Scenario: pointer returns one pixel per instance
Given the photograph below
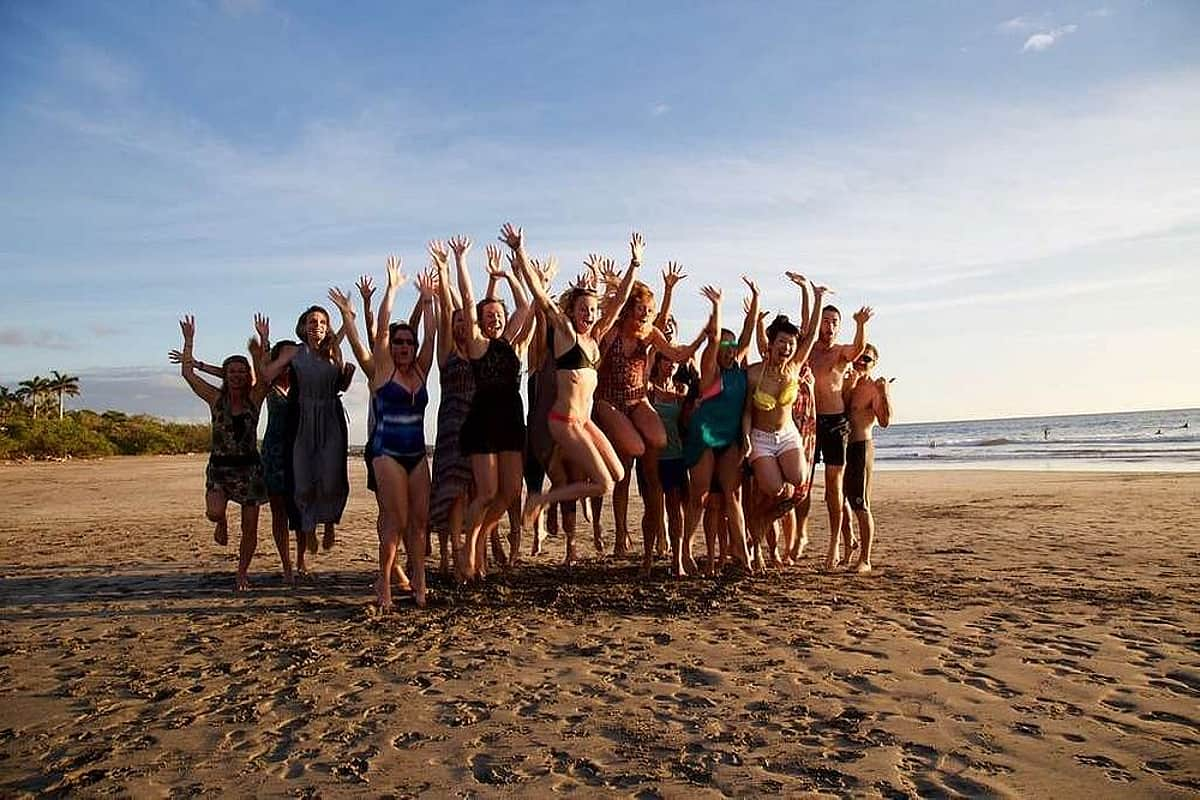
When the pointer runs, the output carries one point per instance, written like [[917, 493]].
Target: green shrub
[[86, 434]]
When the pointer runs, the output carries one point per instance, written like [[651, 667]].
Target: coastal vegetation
[[34, 425]]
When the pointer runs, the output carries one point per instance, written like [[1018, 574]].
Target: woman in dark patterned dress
[[235, 472], [452, 484]]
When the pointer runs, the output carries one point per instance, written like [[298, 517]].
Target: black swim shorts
[[832, 432], [860, 460]]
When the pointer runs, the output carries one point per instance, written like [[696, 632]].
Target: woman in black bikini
[[577, 328]]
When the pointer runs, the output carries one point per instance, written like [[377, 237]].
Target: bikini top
[[576, 358], [769, 402]]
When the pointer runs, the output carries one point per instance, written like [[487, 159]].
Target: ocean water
[[1136, 440]]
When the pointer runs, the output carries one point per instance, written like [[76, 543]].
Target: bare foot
[[221, 533], [863, 567], [598, 542], [533, 505], [327, 539], [689, 565], [570, 559], [647, 565], [383, 595], [242, 584]]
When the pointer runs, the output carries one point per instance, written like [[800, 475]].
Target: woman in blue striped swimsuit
[[398, 443]]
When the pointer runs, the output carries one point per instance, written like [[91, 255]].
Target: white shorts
[[773, 443]]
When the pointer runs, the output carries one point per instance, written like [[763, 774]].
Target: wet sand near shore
[[1025, 634]]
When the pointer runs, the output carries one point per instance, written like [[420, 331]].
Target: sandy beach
[[1026, 634]]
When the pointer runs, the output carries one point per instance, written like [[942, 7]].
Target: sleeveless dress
[[717, 422], [542, 392], [234, 467], [451, 470], [496, 421], [274, 443], [316, 461]]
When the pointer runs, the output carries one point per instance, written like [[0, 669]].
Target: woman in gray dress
[[315, 461]]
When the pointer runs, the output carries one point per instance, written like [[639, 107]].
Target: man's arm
[[850, 352]]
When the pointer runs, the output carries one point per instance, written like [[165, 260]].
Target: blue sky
[[1015, 187]]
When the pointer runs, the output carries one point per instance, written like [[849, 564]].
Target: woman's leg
[[483, 468], [279, 532], [418, 525], [673, 500], [214, 508], [729, 475], [248, 545], [392, 483], [654, 437], [699, 480], [584, 447]]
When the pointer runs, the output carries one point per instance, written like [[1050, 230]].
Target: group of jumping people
[[711, 433]]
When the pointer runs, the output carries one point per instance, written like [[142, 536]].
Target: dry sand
[[1026, 634]]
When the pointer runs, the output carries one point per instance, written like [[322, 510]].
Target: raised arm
[[612, 310], [708, 361], [438, 251], [671, 275], [366, 289], [515, 330], [176, 357], [760, 330], [426, 289], [743, 345], [381, 351], [861, 317], [345, 305], [203, 389], [810, 324]]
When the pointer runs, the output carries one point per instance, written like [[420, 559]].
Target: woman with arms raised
[[399, 399], [316, 458], [622, 410], [493, 433], [777, 454], [714, 441], [234, 472], [575, 331]]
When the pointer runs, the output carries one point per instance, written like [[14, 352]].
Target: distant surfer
[[1045, 433]]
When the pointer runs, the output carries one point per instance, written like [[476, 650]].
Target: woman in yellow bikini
[[776, 455]]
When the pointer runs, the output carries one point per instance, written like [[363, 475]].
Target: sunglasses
[[729, 344], [866, 359]]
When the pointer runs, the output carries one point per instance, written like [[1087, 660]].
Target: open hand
[[797, 278], [637, 246], [712, 293], [437, 249], [753, 286], [188, 326], [460, 245], [493, 258], [396, 276], [342, 301], [262, 326], [549, 269], [176, 357], [512, 236], [427, 282], [673, 274], [863, 314], [366, 288]]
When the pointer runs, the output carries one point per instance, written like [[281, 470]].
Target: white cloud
[[1044, 41], [659, 109], [1016, 25], [1101, 12]]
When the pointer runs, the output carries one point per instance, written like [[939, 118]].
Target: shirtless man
[[867, 402], [828, 361]]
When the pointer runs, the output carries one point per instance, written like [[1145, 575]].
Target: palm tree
[[64, 385], [33, 390], [8, 399]]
